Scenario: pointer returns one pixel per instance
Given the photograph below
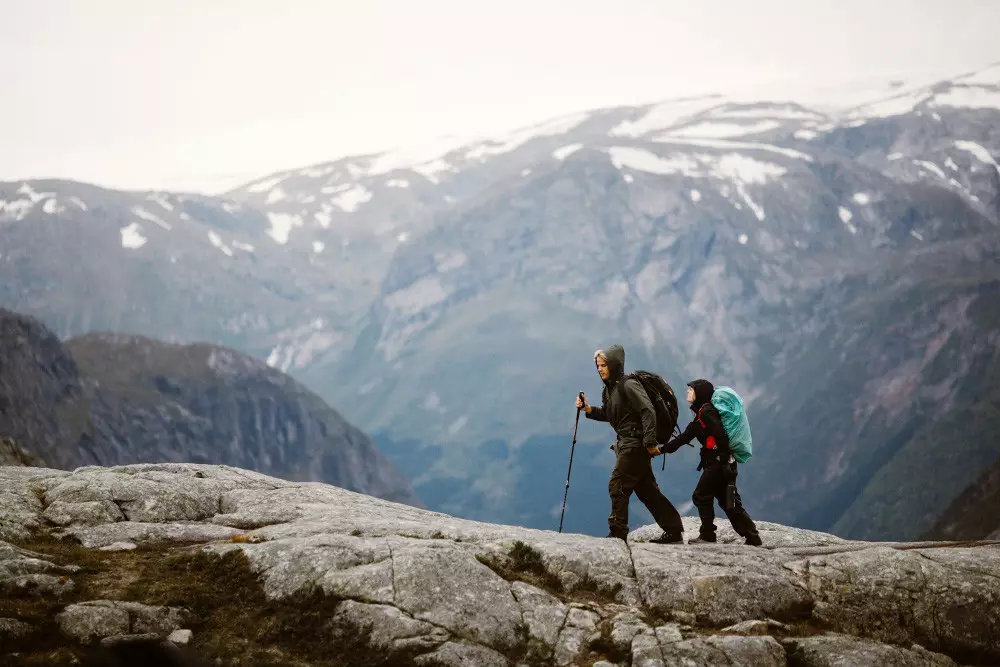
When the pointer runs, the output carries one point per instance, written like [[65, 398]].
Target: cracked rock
[[460, 654], [341, 565], [89, 513], [646, 650], [580, 624], [544, 615], [949, 602], [624, 627], [98, 619], [145, 533], [450, 588], [843, 651], [389, 628], [11, 629], [23, 570], [754, 628], [718, 584]]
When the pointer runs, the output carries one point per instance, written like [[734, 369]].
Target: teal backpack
[[734, 420]]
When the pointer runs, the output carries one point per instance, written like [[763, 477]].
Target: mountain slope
[[109, 400], [973, 515]]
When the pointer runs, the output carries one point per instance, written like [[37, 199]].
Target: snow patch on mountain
[[216, 241], [782, 112], [742, 170], [275, 195], [745, 169], [713, 130], [52, 206], [17, 208], [695, 196], [397, 183], [931, 167], [79, 203], [281, 225], [161, 200], [351, 199], [566, 151], [132, 237], [663, 116], [805, 135], [142, 213], [239, 245], [641, 159], [323, 218], [979, 152], [33, 196], [430, 170], [265, 184], [318, 246], [896, 105], [742, 239], [732, 144], [318, 171], [861, 198], [968, 97], [507, 143]]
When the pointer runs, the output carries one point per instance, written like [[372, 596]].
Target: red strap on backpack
[[710, 442]]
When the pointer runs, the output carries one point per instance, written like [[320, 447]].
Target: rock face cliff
[[105, 399], [242, 568]]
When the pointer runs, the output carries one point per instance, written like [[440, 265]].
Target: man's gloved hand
[[653, 451]]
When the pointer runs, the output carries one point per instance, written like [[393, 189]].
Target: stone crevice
[[392, 571], [642, 600]]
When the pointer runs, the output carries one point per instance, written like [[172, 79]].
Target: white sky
[[207, 94]]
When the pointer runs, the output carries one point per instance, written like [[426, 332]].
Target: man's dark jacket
[[625, 405]]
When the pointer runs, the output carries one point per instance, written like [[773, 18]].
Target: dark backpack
[[664, 403]]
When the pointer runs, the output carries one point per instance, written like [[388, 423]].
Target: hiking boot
[[669, 538], [704, 538], [753, 540]]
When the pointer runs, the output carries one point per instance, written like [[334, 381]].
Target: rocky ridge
[[243, 567]]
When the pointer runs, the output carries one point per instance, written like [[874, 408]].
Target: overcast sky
[[206, 94]]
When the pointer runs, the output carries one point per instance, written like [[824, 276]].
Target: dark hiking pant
[[715, 476], [634, 472]]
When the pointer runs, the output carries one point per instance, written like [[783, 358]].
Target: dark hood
[[615, 356], [703, 390]]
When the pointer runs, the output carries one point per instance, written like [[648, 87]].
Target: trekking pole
[[572, 449]]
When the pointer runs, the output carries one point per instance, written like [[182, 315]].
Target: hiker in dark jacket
[[719, 467], [625, 405]]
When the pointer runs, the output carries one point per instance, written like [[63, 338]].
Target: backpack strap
[[710, 440]]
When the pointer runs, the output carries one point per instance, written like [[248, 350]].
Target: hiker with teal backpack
[[720, 425]]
